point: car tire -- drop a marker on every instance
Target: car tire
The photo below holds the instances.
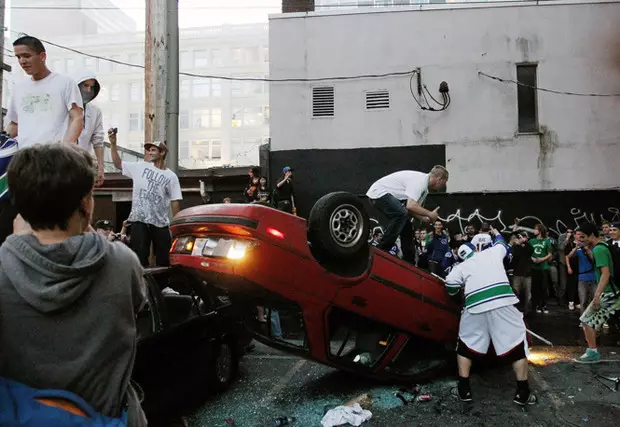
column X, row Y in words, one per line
column 339, row 225
column 223, row 367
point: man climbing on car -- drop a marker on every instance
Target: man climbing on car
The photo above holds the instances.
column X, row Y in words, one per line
column 401, row 195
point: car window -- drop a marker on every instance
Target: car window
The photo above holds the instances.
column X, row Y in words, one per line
column 278, row 320
column 417, row 355
column 356, row 340
column 179, row 296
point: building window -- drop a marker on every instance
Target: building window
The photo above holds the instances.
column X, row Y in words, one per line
column 201, row 119
column 526, row 98
column 216, row 87
column 266, row 54
column 136, row 92
column 200, row 150
column 216, row 117
column 185, row 59
column 200, row 59
column 251, row 55
column 70, row 65
column 200, row 88
column 103, row 65
column 104, row 94
column 184, row 120
column 113, row 65
column 112, row 121
column 236, row 87
column 136, row 59
column 217, row 58
column 216, row 150
column 253, row 116
column 184, row 88
column 266, row 114
column 89, row 63
column 184, row 150
column 135, row 122
column 235, row 56
column 115, row 93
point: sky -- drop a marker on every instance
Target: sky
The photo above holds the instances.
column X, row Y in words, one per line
column 198, row 13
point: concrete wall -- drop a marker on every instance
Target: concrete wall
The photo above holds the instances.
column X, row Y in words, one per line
column 576, row 46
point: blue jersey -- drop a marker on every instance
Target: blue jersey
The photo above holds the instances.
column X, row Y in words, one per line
column 449, row 261
column 437, row 247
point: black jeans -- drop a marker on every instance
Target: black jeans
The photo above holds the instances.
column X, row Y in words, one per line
column 7, row 215
column 398, row 225
column 540, row 285
column 141, row 237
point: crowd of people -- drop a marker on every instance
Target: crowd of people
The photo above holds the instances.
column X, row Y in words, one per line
column 282, row 197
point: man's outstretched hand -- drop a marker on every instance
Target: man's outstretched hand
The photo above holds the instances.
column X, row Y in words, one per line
column 434, row 215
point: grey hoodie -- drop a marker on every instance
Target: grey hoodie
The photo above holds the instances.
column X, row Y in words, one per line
column 92, row 134
column 67, row 316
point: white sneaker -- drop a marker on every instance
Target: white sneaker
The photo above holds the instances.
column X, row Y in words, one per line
column 578, row 306
column 538, row 310
column 605, row 326
column 571, row 306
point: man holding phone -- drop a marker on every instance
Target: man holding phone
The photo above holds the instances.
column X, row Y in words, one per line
column 583, row 260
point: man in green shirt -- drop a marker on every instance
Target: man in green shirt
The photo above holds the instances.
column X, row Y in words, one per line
column 606, row 301
column 542, row 253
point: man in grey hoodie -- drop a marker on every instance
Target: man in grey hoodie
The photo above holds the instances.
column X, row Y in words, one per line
column 68, row 298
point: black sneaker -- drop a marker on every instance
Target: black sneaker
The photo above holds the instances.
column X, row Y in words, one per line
column 463, row 395
column 520, row 399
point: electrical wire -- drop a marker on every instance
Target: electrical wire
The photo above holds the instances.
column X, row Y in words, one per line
column 443, row 106
column 229, row 78
column 558, row 92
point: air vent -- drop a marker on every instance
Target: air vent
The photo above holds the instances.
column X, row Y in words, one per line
column 323, row 101
column 377, row 100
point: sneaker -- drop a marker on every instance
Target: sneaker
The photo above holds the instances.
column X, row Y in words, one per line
column 571, row 306
column 463, row 396
column 590, row 356
column 521, row 400
column 605, row 326
column 538, row 310
column 578, row 306
column 545, row 310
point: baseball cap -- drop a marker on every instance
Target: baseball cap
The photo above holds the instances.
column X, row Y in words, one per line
column 615, row 224
column 287, row 169
column 158, row 144
column 104, row 223
column 465, row 251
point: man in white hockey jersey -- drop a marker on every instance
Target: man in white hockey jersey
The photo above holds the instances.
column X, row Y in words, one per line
column 483, row 239
column 489, row 316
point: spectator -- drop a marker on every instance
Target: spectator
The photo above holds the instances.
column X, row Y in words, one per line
column 422, row 252
column 470, row 232
column 451, row 259
column 156, row 191
column 540, row 269
column 521, row 266
column 606, row 300
column 572, row 269
column 284, row 194
column 91, row 138
column 44, row 108
column 561, row 290
column 605, row 228
column 437, row 248
column 584, row 263
column 68, row 298
column 249, row 194
column 263, row 194
column 227, row 200
column 614, row 232
column 104, row 228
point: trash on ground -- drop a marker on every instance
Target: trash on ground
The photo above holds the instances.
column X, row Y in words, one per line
column 230, row 421
column 342, row 415
column 364, row 400
column 426, row 397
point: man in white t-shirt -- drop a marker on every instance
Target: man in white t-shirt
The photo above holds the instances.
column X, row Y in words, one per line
column 156, row 191
column 47, row 107
column 401, row 195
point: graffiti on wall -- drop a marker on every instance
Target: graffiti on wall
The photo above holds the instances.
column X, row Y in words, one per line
column 458, row 221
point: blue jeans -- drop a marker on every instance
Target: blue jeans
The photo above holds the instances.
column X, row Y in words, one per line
column 276, row 328
column 398, row 225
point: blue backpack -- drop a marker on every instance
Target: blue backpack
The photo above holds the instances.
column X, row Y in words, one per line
column 8, row 147
column 25, row 406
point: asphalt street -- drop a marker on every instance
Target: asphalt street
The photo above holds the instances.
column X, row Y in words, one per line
column 273, row 384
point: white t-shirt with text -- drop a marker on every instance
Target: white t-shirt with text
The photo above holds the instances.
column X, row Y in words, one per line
column 41, row 108
column 153, row 190
column 403, row 185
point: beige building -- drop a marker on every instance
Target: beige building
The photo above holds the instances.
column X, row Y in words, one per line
column 221, row 122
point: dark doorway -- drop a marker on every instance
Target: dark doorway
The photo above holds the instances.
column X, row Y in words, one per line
column 122, row 213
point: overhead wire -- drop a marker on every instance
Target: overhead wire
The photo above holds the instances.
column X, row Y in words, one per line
column 541, row 89
column 229, row 78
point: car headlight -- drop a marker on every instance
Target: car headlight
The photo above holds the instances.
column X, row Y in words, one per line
column 217, row 247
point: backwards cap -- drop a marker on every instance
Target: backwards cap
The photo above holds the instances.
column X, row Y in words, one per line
column 466, row 250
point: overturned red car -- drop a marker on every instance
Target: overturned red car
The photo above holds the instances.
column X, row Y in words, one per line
column 317, row 289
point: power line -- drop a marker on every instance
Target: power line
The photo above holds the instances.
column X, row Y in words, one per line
column 230, row 78
column 559, row 92
column 256, row 7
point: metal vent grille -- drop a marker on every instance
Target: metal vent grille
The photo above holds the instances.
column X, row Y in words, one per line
column 377, row 100
column 323, row 101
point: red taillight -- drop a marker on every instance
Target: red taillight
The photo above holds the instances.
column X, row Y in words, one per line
column 275, row 233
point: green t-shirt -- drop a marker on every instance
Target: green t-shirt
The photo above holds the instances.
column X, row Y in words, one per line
column 602, row 258
column 541, row 248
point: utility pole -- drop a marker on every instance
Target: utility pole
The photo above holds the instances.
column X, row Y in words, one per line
column 161, row 76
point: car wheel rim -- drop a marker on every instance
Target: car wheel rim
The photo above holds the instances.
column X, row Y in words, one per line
column 223, row 364
column 346, row 225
